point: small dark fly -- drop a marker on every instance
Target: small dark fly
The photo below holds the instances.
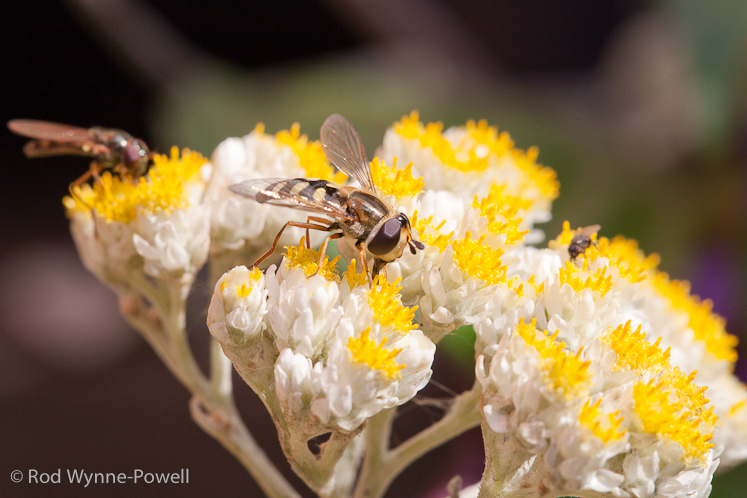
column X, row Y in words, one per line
column 357, row 213
column 581, row 241
column 110, row 148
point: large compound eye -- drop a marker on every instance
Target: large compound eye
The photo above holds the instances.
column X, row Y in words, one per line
column 135, row 156
column 387, row 238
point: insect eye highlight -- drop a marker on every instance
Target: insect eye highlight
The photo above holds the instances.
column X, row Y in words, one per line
column 386, row 238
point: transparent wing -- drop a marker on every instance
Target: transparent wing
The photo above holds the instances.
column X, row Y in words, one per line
column 44, row 130
column 296, row 193
column 344, row 148
column 589, row 231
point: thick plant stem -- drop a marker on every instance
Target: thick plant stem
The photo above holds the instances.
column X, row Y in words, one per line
column 381, row 466
column 212, row 407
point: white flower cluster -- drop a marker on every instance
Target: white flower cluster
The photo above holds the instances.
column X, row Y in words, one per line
column 158, row 226
column 578, row 383
column 342, row 353
column 598, row 375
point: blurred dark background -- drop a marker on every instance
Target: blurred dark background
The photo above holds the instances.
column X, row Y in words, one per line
column 638, row 105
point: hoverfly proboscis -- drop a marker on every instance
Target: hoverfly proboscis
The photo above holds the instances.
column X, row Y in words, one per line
column 357, row 213
column 111, row 148
column 581, row 241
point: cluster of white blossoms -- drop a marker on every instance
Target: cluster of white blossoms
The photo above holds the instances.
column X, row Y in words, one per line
column 342, row 351
column 600, row 376
column 157, row 226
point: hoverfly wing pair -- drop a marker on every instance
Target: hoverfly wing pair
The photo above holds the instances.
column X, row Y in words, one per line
column 357, row 213
column 110, row 148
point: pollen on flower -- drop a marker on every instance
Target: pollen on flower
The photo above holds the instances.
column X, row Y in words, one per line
column 502, row 213
column 397, row 182
column 736, row 407
column 367, row 352
column 634, row 352
column 354, row 279
column 599, row 282
column 386, row 303
column 163, row 189
column 606, row 426
column 706, row 325
column 426, row 231
column 243, row 290
column 563, row 372
column 310, row 154
column 624, row 255
column 666, row 412
column 308, row 259
column 479, row 260
column 478, row 145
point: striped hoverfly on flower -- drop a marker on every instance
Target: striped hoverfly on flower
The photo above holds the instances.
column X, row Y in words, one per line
column 357, row 213
column 111, row 148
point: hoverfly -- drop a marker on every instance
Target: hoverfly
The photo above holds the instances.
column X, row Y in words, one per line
column 581, row 241
column 357, row 213
column 109, row 147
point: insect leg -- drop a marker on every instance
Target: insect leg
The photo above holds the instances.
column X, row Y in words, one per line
column 307, row 226
column 364, row 261
column 318, row 220
column 323, row 249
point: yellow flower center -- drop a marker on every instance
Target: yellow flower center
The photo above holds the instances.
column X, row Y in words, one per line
column 367, row 352
column 502, row 212
column 606, row 426
column 355, row 279
column 308, row 259
column 397, row 182
column 663, row 411
column 254, row 274
column 634, row 352
column 162, row 190
column 386, row 303
column 669, row 405
column 706, row 325
column 474, row 151
column 310, row 154
column 430, row 235
column 479, row 260
column 573, row 276
column 563, row 372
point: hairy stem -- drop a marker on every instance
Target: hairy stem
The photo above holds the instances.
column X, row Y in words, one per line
column 381, row 466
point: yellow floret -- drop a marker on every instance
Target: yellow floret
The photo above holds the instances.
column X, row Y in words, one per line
column 355, row 279
column 386, row 303
column 162, row 190
column 430, row 235
column 310, row 154
column 706, row 325
column 599, row 282
column 564, row 373
column 308, row 259
column 606, row 426
column 502, row 212
column 397, row 182
column 634, row 352
column 367, row 352
column 479, row 260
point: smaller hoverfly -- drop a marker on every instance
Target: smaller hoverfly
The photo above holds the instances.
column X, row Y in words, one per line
column 110, row 148
column 581, row 241
column 357, row 213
